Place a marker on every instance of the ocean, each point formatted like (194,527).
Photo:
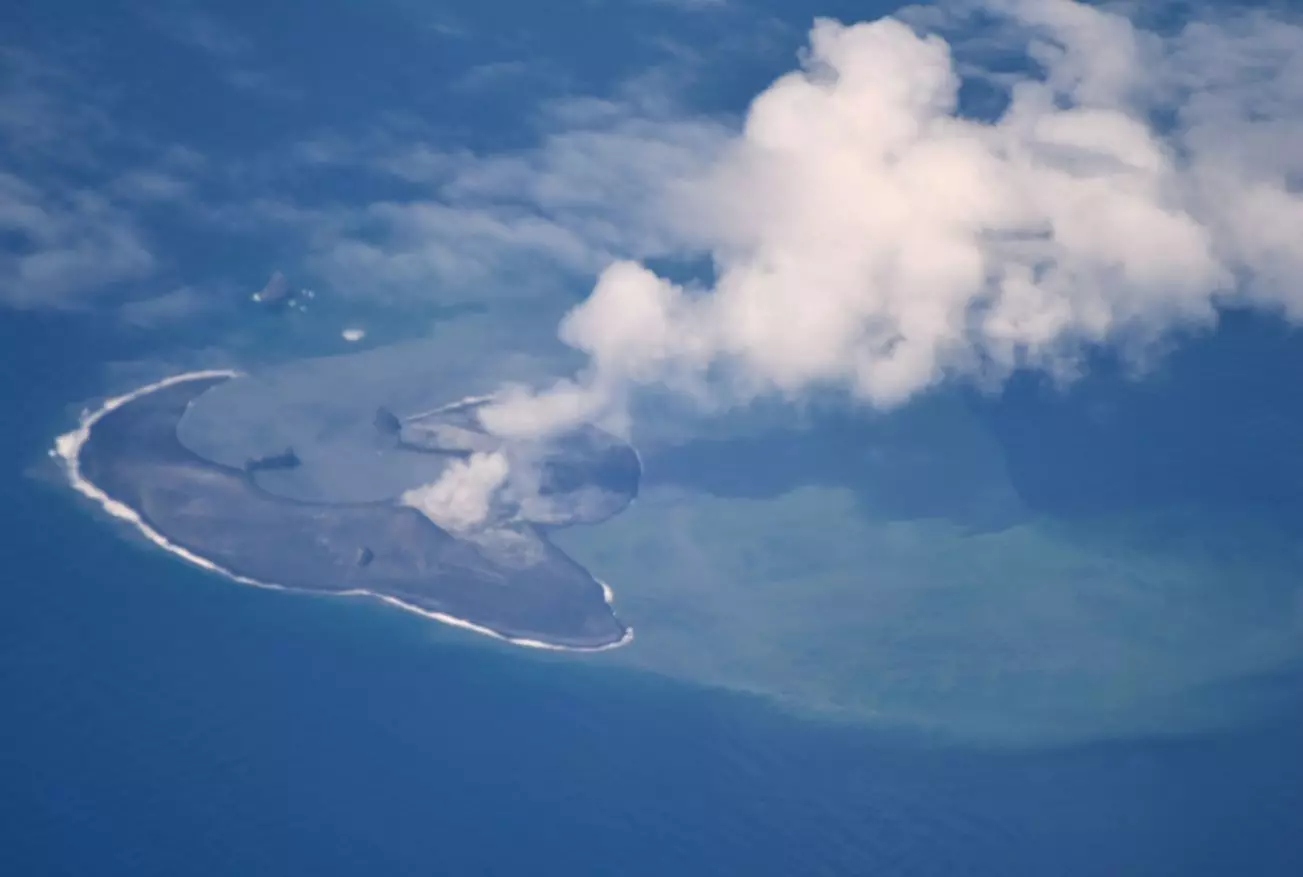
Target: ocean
(158,720)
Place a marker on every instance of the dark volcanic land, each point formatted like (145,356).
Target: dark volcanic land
(219,513)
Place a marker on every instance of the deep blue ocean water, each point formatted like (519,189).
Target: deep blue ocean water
(158,720)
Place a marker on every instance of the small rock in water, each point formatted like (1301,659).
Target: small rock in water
(276,292)
(387,422)
(287,459)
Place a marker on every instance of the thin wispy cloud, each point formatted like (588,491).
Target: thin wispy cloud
(166,310)
(151,185)
(492,74)
(48,113)
(73,187)
(62,250)
(233,53)
(478,227)
(191,25)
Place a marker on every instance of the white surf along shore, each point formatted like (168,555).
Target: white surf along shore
(67,452)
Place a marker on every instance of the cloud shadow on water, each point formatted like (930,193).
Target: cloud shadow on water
(929,460)
(1217,424)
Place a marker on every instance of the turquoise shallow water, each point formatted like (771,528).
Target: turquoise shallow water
(161,721)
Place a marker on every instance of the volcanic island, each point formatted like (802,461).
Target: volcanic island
(336,514)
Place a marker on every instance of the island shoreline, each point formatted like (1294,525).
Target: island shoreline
(67,452)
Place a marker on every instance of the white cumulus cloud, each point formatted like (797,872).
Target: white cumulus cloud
(866,235)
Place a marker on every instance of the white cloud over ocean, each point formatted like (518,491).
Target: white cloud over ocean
(866,235)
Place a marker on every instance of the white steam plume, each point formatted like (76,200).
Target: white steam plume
(866,236)
(463,496)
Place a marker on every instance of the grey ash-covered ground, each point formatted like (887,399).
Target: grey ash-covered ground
(324,514)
